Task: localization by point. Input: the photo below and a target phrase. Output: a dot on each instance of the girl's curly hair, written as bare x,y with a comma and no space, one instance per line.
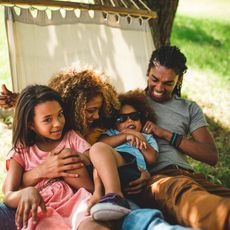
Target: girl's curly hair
77,88
138,100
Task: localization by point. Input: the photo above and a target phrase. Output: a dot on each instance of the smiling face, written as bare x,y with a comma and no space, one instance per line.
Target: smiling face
48,121
161,83
93,108
129,119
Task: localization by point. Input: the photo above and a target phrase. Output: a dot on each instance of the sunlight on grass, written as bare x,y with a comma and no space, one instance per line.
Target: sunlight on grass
210,92
205,9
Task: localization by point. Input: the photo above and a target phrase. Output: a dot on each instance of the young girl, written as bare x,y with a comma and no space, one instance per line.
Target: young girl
134,151
39,130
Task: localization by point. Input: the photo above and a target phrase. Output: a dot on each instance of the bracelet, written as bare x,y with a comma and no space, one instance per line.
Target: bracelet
175,140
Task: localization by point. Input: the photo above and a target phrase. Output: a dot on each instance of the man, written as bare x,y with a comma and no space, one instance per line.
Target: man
181,131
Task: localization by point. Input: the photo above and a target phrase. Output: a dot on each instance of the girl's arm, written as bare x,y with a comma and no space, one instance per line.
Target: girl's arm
12,184
200,147
25,200
83,179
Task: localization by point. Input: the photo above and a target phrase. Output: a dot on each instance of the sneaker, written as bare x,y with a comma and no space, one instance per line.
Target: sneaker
110,207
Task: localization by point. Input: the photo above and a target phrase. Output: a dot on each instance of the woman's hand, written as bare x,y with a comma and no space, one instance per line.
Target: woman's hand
8,99
29,202
139,184
58,163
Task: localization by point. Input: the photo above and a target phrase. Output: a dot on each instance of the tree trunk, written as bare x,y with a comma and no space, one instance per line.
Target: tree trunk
161,29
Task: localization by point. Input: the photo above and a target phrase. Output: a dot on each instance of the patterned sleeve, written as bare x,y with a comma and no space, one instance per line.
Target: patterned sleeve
197,119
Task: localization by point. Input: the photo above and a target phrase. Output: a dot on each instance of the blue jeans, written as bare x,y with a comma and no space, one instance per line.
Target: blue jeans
7,218
138,219
147,219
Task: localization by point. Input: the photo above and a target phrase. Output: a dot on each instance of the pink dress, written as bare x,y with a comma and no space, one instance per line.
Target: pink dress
65,209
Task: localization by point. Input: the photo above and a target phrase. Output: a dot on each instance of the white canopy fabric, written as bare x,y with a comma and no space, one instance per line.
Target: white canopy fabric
40,46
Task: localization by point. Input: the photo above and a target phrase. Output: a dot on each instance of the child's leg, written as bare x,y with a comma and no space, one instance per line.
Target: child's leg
106,161
113,205
83,179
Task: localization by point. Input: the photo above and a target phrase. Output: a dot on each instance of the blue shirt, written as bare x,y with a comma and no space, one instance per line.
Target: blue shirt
126,147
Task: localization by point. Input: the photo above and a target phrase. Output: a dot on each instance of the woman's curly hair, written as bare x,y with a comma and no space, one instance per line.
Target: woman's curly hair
138,100
77,88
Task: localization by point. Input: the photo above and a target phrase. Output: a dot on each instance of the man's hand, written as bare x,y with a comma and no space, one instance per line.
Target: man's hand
154,129
139,184
29,202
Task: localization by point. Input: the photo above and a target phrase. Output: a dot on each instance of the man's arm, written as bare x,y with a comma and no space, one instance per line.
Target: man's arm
200,147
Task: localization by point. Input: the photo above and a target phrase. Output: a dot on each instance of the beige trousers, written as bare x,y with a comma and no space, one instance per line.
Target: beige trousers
187,198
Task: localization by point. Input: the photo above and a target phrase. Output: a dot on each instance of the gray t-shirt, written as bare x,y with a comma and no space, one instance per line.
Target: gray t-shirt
180,116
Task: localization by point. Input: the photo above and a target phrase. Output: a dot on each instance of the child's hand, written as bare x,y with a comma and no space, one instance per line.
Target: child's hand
134,132
136,141
29,202
93,200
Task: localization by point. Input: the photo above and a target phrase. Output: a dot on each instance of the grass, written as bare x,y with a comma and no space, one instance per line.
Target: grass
202,31
206,43
205,39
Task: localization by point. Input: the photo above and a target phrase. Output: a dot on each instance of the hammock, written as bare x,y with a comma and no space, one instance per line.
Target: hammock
42,42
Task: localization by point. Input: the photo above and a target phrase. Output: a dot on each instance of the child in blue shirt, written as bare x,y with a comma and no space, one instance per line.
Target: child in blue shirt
134,151
126,136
